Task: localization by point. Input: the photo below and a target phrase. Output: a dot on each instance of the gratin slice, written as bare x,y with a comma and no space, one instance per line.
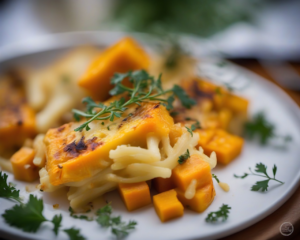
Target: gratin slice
74,156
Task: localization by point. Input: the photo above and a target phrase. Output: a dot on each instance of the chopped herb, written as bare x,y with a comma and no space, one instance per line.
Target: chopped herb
82,217
74,234
145,89
29,216
118,228
102,123
222,213
184,157
193,127
218,91
261,185
262,129
215,177
108,128
8,190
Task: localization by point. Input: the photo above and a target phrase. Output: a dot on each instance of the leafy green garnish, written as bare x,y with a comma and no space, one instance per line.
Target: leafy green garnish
222,213
8,190
118,228
261,128
261,185
74,234
184,157
82,217
193,127
145,89
215,177
57,223
27,217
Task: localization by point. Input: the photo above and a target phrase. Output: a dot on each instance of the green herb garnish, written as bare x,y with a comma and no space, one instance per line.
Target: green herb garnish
82,217
222,213
184,157
29,216
74,234
145,89
193,127
261,185
118,228
8,190
262,129
215,177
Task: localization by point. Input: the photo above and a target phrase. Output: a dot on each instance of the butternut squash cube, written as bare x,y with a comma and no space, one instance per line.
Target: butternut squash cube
167,205
205,135
193,168
202,199
23,167
74,156
163,184
236,104
135,195
122,57
226,146
225,116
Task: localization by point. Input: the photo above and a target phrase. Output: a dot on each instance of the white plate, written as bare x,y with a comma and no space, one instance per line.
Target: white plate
247,207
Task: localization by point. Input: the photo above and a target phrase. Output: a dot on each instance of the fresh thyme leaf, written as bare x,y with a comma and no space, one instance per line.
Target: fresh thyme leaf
76,117
215,177
57,223
74,234
189,130
27,217
119,228
173,114
145,89
222,213
261,185
262,129
185,100
8,191
184,157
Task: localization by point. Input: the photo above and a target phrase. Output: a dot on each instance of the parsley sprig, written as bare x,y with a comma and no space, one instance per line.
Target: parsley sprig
29,218
82,217
222,213
261,185
7,190
145,89
118,228
261,128
182,158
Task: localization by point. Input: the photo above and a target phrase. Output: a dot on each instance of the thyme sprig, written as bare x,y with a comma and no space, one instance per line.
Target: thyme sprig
145,89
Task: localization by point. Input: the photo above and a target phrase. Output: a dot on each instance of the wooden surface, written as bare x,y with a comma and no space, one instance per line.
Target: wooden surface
268,228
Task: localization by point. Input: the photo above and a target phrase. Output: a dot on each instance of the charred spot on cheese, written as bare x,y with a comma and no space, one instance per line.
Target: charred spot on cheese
198,93
82,153
60,129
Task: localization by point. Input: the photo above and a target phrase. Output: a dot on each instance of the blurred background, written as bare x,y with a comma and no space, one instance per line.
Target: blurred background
262,29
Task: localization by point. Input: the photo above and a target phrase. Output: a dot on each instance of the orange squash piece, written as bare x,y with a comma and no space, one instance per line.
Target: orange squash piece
23,167
226,146
122,57
135,195
204,136
193,168
163,184
236,104
73,156
225,116
202,199
167,205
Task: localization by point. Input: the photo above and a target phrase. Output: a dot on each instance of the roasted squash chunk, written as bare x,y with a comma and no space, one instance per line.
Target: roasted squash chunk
17,121
23,167
202,199
167,205
135,195
193,168
163,184
226,146
74,156
236,104
122,57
